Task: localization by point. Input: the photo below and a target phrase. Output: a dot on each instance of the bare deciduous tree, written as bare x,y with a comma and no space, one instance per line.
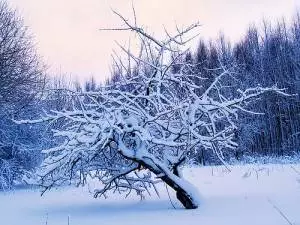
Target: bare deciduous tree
21,73
21,78
146,123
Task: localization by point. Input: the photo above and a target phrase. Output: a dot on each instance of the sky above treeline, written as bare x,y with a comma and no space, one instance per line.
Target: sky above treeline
68,38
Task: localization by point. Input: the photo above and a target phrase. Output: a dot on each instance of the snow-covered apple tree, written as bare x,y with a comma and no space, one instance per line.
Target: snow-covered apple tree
139,130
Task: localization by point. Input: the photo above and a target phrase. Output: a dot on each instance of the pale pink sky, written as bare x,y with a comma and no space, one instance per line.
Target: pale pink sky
68,37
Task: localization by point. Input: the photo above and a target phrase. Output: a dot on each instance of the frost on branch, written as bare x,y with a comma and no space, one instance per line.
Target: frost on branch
146,123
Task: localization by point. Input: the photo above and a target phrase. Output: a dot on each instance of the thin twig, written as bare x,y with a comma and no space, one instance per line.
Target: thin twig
46,219
170,197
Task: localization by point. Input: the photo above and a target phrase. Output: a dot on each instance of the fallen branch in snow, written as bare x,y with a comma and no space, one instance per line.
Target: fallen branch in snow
279,211
296,171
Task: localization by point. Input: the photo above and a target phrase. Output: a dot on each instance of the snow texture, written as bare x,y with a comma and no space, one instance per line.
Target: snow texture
248,195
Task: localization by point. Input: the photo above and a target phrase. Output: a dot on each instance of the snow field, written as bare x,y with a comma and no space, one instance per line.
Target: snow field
248,195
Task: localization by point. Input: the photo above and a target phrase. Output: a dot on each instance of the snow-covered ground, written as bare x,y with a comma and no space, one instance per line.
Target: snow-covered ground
248,195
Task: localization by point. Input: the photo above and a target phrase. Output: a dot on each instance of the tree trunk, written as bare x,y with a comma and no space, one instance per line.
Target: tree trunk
182,195
187,197
186,193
